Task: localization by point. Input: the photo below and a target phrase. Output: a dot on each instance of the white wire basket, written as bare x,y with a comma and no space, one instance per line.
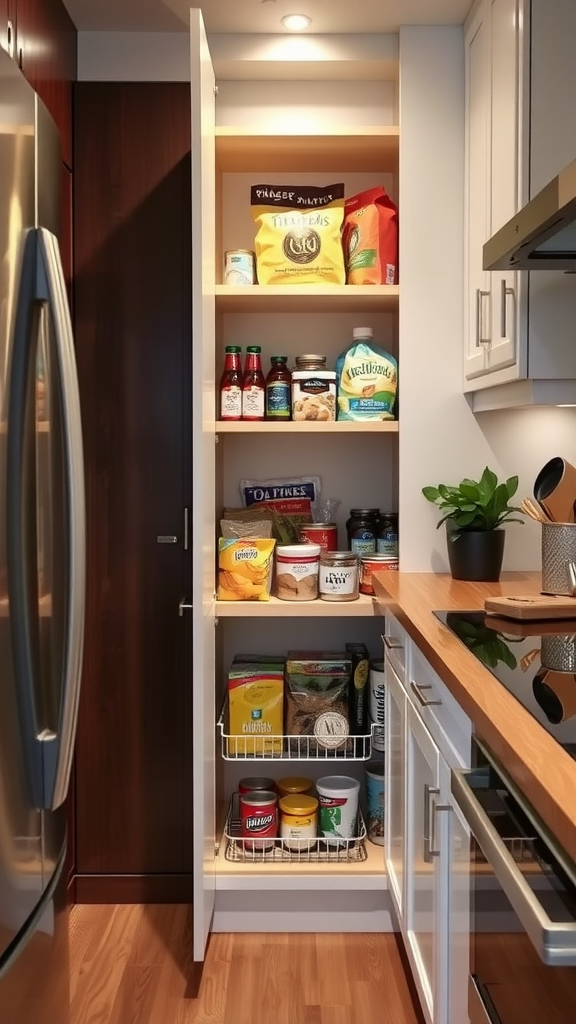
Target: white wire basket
299,748
348,851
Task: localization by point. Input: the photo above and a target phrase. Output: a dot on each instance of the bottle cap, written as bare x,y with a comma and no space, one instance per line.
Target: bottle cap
279,359
362,332
233,348
254,348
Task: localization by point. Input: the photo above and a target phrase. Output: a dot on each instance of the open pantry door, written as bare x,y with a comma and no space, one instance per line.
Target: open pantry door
203,484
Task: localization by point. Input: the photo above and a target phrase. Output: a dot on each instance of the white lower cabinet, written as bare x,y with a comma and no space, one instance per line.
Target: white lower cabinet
395,774
427,846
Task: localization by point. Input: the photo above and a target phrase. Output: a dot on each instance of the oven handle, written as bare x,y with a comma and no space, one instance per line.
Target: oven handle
554,941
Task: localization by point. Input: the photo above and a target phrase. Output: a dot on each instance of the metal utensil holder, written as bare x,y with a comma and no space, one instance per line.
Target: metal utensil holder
559,559
558,653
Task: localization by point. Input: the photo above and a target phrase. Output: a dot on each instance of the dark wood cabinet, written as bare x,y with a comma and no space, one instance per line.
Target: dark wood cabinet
46,50
7,24
132,294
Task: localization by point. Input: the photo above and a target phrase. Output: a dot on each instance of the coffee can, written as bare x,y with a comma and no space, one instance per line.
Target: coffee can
259,817
324,534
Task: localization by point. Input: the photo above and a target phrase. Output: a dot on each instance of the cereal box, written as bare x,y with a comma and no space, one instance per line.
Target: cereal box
255,708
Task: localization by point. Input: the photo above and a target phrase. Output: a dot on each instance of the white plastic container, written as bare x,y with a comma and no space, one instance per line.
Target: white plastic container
297,567
375,802
338,818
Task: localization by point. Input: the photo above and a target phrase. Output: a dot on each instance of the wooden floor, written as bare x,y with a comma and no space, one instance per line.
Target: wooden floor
129,966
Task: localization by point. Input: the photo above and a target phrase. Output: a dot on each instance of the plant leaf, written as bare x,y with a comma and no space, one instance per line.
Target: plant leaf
431,493
511,486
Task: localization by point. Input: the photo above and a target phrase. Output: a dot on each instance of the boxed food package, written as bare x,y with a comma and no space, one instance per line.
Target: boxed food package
255,707
314,395
245,569
317,699
298,233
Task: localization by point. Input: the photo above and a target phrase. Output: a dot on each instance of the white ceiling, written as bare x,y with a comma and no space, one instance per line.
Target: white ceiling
255,16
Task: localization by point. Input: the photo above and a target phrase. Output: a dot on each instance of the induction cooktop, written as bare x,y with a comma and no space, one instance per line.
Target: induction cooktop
535,661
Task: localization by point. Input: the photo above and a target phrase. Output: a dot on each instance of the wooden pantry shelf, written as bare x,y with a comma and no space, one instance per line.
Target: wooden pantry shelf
306,427
242,149
275,608
307,298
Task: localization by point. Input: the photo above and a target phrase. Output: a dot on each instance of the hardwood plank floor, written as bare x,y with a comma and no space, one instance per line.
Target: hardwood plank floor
130,965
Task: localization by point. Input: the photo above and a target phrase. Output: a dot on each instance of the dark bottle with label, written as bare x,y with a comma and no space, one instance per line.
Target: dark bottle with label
387,540
231,385
253,385
362,527
278,389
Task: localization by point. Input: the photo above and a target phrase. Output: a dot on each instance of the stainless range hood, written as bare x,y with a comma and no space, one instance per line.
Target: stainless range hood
542,236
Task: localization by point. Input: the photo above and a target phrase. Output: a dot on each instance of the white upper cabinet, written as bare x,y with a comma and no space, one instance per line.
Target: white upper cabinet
518,328
494,44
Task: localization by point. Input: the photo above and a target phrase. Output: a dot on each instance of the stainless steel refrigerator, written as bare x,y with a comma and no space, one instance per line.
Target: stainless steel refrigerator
42,562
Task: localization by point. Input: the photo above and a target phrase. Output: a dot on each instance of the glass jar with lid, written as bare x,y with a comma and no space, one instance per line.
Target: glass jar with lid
338,578
387,540
362,527
311,362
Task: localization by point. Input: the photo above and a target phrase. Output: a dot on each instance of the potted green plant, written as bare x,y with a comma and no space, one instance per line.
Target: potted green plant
474,512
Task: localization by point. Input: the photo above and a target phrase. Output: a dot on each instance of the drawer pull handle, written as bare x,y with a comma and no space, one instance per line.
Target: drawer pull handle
392,643
417,689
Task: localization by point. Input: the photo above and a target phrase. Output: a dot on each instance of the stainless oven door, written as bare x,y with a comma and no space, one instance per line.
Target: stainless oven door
523,941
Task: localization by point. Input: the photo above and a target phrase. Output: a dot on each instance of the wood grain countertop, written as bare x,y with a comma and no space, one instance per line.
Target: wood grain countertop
543,771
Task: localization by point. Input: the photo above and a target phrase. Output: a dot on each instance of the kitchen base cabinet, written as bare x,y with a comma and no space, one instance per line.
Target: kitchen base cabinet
427,848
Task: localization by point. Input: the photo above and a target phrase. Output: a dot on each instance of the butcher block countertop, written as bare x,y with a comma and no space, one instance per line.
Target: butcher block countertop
543,771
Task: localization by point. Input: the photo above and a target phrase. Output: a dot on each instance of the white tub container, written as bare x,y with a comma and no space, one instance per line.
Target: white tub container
338,798
297,567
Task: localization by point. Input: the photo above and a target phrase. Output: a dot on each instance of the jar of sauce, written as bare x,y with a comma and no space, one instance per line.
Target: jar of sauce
294,785
362,527
279,390
299,822
387,540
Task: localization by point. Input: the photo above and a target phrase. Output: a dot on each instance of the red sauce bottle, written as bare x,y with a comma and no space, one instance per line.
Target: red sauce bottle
253,385
231,385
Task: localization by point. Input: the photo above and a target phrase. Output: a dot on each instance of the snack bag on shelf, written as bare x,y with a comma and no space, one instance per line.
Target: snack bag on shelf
370,238
245,569
255,707
298,236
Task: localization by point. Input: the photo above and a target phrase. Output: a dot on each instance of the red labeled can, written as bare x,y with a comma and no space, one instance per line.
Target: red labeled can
256,784
324,534
259,815
374,563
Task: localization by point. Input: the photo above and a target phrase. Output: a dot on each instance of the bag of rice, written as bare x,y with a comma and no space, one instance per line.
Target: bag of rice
370,238
298,238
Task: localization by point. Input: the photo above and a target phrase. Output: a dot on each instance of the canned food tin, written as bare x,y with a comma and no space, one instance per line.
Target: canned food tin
294,784
299,822
338,579
239,267
374,563
324,534
256,783
259,816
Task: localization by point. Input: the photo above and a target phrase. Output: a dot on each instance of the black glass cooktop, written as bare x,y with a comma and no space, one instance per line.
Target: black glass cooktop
535,661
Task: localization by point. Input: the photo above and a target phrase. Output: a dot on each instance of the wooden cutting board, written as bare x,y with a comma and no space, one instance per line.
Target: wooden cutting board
531,607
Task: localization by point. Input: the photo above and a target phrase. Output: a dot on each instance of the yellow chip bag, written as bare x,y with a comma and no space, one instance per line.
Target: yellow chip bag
298,238
244,569
255,708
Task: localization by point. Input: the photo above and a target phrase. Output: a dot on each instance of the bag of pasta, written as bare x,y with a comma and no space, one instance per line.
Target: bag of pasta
245,569
298,238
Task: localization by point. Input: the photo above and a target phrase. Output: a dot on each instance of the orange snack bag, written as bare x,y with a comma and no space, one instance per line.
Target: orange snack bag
370,238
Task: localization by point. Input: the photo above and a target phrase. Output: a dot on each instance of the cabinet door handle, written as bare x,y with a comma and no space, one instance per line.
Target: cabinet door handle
423,700
183,606
505,291
480,294
429,792
392,643
436,809
10,37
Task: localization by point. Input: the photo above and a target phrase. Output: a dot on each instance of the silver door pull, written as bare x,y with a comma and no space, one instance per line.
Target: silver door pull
165,539
184,605
392,643
417,689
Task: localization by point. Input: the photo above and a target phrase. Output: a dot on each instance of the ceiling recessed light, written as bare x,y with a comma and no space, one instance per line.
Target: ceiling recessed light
296,22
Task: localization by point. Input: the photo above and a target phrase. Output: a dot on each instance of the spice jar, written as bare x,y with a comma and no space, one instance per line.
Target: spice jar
338,579
362,527
299,822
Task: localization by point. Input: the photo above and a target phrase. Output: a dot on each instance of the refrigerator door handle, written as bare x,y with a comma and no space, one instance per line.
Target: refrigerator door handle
21,545
51,288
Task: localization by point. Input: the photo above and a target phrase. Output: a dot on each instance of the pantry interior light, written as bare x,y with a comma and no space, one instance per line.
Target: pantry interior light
296,22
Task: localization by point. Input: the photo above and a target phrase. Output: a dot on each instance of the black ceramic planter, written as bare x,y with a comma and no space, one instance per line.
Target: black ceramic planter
475,554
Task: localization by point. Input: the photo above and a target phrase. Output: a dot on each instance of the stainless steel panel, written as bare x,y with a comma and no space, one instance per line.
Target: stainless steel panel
21,872
49,163
35,978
